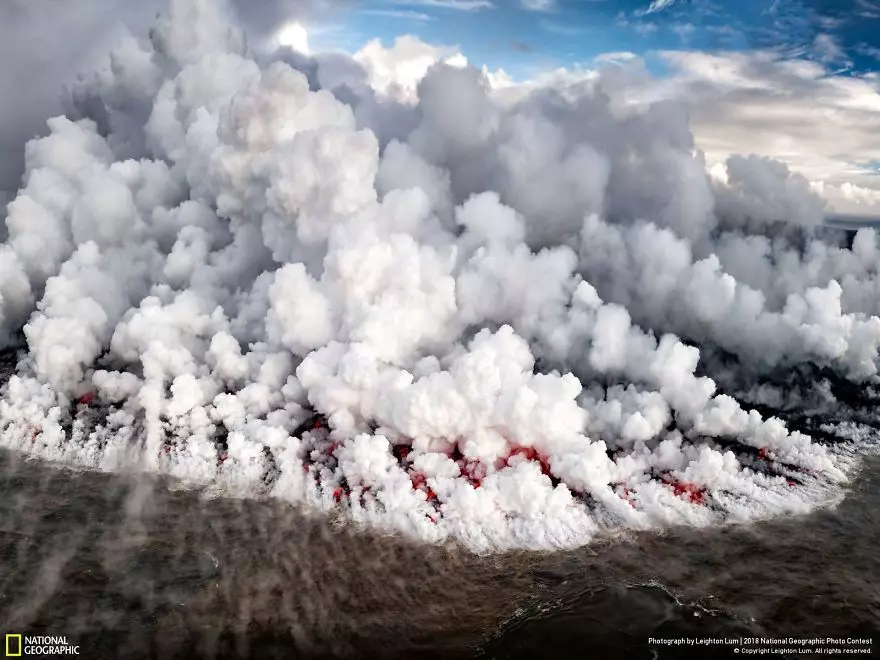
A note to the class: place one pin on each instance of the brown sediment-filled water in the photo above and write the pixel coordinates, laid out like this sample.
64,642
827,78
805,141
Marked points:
128,567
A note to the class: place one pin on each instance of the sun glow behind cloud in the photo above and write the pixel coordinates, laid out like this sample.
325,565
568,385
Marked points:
295,36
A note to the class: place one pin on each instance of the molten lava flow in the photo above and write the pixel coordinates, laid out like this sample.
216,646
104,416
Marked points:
686,490
86,399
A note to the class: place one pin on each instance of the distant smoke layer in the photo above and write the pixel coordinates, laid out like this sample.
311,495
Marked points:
448,313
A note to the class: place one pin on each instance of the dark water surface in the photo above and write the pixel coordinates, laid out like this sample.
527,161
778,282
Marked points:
127,568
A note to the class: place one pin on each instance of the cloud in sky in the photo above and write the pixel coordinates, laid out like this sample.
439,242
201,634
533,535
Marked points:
459,5
538,5
564,29
790,109
828,49
396,71
869,9
403,14
656,6
521,47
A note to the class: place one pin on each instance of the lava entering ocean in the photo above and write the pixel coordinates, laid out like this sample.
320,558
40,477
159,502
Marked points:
513,320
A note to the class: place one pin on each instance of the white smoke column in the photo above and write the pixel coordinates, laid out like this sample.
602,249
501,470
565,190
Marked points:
465,324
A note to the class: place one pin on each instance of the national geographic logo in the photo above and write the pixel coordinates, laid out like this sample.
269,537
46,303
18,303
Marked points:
13,646
18,645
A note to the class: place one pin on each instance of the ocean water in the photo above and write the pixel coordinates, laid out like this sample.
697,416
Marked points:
126,566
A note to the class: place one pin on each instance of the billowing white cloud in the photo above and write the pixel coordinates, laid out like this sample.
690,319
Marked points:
397,71
40,63
514,316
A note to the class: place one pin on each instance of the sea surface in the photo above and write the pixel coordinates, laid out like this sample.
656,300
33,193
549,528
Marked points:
128,566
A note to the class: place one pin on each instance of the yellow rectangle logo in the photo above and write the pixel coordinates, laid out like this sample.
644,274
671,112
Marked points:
13,646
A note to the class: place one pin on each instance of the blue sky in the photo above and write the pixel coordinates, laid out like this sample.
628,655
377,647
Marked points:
523,36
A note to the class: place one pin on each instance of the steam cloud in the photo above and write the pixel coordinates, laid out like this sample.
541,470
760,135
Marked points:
452,312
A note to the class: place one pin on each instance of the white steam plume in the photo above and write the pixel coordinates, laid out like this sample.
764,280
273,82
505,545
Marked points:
453,316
